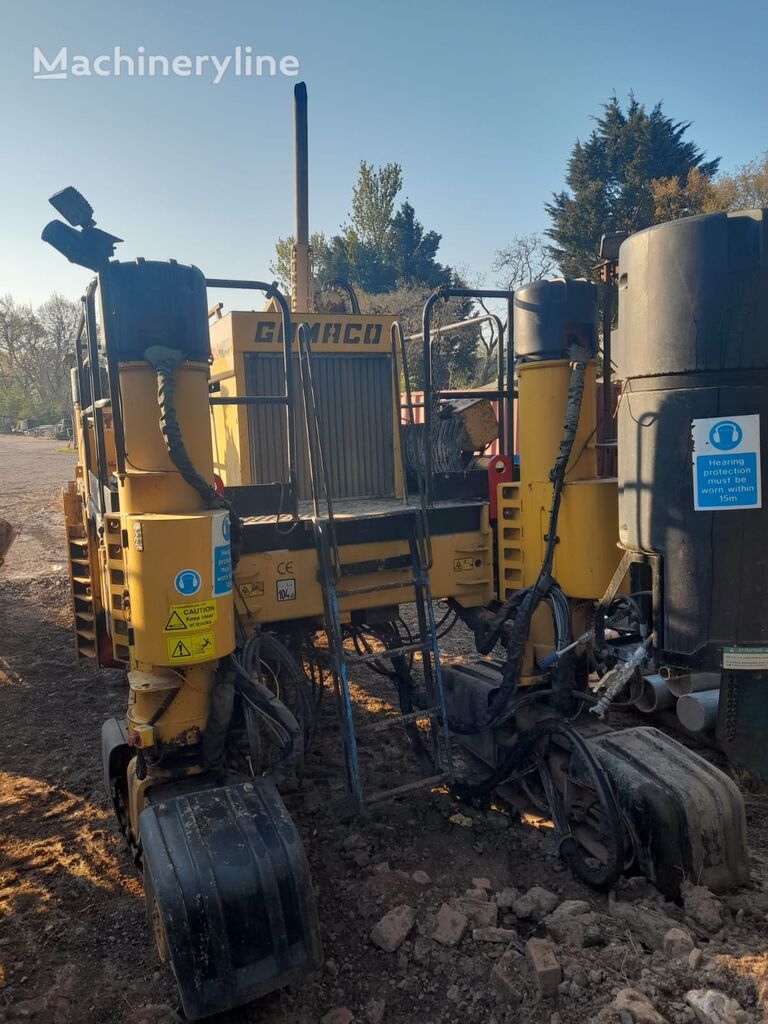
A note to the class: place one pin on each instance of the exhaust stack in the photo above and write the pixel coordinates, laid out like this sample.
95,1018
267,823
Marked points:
301,283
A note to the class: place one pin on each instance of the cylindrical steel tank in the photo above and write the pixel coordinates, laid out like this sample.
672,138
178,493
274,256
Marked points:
693,346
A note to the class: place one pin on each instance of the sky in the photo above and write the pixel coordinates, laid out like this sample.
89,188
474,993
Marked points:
480,102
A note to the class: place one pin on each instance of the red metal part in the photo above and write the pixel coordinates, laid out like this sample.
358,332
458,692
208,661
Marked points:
499,472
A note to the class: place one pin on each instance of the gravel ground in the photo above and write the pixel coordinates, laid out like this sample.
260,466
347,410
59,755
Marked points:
73,941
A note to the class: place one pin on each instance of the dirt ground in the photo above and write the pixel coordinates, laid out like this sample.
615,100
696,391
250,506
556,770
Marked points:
73,940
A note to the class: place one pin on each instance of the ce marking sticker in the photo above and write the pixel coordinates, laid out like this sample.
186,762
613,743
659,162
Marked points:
285,568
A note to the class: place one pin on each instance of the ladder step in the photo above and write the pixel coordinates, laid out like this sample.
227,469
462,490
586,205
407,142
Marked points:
390,720
408,787
88,634
389,652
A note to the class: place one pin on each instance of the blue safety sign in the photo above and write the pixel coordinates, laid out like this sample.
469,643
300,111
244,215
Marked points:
187,582
726,463
222,554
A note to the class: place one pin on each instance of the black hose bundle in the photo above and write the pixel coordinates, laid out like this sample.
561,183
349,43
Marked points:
164,362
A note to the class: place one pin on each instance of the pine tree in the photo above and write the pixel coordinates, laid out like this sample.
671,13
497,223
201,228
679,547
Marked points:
610,180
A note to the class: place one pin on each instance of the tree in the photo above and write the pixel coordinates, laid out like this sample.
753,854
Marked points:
385,253
745,189
35,357
610,180
373,206
526,258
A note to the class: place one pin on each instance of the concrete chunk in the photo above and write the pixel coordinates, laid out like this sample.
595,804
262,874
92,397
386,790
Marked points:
549,973
393,929
450,926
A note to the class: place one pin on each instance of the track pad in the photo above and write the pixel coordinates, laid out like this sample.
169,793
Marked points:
229,894
686,817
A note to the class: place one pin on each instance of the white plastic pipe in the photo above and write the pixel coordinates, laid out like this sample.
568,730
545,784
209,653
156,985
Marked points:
653,694
696,682
697,712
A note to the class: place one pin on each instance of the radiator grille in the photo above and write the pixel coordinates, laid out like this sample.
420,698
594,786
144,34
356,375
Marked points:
354,394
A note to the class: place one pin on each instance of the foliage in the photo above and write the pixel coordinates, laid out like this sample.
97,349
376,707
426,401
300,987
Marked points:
35,357
610,180
385,253
745,189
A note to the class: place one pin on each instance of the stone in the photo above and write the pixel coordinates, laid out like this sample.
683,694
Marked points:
535,904
381,868
713,1007
694,958
375,1010
482,883
506,898
575,924
477,894
543,957
677,943
649,924
494,935
629,1005
353,842
453,995
461,819
702,906
338,1015
393,929
421,878
576,974
450,927
481,914
506,977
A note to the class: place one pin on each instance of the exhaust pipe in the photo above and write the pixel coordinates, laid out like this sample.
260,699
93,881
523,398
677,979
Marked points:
697,712
301,297
695,682
652,694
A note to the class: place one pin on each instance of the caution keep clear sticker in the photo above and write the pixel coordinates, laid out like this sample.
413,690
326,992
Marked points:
184,650
188,618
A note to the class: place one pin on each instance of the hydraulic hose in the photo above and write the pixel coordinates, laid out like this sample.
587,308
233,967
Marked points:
164,362
524,603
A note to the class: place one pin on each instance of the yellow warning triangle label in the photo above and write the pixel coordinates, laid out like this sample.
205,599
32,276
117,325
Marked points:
180,651
175,622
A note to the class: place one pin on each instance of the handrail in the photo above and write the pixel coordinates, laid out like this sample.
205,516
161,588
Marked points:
288,398
316,445
396,333
429,395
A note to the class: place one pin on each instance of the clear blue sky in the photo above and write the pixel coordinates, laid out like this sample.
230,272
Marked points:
479,101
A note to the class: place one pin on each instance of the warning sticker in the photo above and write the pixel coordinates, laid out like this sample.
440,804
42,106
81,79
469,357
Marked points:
184,650
251,588
745,658
190,617
463,564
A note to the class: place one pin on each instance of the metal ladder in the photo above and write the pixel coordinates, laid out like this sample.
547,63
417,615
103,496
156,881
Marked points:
333,576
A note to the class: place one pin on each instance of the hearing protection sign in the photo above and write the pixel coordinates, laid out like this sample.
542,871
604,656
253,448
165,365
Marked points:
190,617
185,650
222,553
726,463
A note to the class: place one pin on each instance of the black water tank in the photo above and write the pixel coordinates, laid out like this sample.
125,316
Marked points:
693,345
550,316
156,303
